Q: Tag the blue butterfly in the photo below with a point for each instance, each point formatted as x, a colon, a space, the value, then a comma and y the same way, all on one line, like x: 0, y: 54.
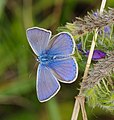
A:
x: 56, y: 62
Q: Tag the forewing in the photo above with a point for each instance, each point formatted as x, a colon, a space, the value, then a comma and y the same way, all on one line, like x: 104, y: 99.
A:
x: 61, y: 44
x: 38, y: 39
x: 65, y: 70
x: 47, y: 85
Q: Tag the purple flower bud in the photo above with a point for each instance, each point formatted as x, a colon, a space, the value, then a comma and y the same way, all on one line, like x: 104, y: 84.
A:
x: 95, y: 14
x: 97, y: 55
x: 107, y: 29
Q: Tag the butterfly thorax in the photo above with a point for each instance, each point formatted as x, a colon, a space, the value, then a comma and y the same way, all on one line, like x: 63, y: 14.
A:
x: 45, y: 59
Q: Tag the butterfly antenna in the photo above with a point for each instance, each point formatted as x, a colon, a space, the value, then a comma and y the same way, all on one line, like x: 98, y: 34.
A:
x: 35, y: 66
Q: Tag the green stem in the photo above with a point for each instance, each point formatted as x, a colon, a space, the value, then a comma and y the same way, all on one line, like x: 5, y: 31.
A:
x: 111, y: 31
x: 105, y: 85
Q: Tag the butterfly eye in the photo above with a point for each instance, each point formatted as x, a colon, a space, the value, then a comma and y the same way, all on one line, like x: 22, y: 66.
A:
x: 37, y: 59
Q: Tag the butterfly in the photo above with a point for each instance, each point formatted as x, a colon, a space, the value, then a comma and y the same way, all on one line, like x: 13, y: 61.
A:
x: 56, y: 60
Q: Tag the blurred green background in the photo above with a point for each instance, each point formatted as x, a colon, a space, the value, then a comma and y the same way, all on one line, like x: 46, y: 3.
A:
x: 18, y: 99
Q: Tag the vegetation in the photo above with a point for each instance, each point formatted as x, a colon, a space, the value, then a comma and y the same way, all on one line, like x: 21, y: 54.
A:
x: 18, y: 100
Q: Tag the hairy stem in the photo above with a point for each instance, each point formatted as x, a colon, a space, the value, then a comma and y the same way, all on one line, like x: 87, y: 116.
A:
x: 81, y: 103
x: 92, y: 45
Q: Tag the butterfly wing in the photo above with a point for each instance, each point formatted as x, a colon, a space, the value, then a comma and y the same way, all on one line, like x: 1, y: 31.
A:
x: 66, y: 70
x: 38, y: 39
x: 61, y: 44
x: 47, y: 85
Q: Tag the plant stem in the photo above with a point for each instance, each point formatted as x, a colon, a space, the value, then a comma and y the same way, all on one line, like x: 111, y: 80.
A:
x: 93, y: 45
x: 79, y: 102
x: 90, y: 54
x: 76, y: 109
x: 102, y: 6
x: 82, y: 104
